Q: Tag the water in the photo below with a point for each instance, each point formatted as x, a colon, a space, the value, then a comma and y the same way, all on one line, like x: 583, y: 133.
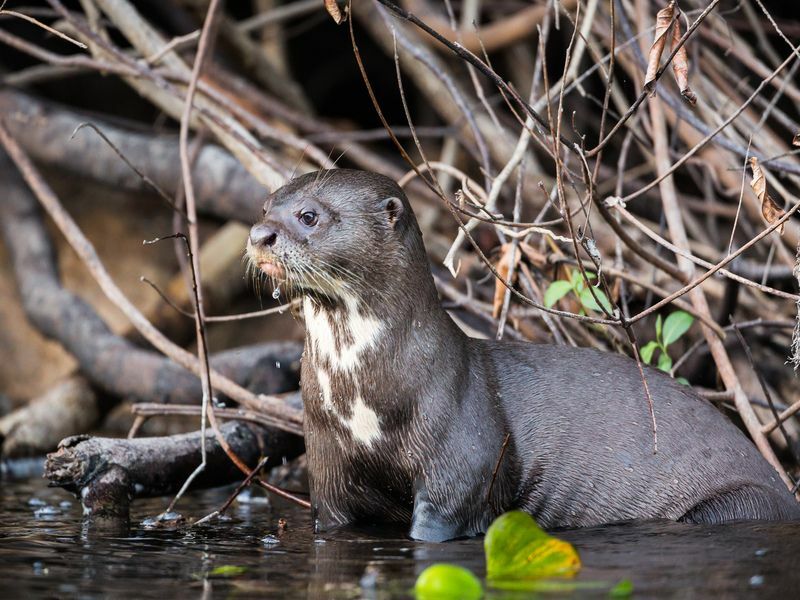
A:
x: 54, y: 553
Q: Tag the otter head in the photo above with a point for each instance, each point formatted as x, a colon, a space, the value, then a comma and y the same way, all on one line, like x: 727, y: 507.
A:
x: 335, y: 234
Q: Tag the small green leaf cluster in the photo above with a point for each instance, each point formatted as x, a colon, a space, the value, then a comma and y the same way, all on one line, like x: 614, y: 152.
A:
x: 577, y: 285
x: 667, y: 332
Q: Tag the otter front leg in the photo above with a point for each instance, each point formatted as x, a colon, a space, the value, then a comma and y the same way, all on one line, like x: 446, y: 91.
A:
x: 430, y: 521
x: 326, y: 515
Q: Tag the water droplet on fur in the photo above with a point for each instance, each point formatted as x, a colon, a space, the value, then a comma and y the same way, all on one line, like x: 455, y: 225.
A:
x: 276, y: 293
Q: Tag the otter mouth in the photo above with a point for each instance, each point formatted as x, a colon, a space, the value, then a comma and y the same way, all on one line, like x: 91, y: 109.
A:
x: 272, y: 269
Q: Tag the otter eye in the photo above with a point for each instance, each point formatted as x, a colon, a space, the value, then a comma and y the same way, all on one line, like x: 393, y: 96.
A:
x: 309, y: 218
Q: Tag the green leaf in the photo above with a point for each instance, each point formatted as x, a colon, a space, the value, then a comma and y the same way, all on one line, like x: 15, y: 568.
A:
x: 658, y: 328
x: 622, y: 590
x: 227, y: 571
x: 517, y: 548
x: 647, y: 351
x: 682, y: 380
x: 664, y: 362
x: 676, y: 325
x: 447, y: 582
x: 556, y: 291
x: 589, y: 302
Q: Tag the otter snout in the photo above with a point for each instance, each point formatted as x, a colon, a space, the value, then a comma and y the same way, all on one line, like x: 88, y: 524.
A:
x: 262, y: 235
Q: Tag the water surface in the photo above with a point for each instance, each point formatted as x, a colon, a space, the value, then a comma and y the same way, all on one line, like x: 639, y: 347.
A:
x: 47, y: 550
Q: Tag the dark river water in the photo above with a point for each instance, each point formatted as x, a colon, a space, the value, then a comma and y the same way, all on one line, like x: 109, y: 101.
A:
x: 47, y: 550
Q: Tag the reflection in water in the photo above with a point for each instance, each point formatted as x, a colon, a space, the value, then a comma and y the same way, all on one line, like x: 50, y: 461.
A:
x: 47, y: 550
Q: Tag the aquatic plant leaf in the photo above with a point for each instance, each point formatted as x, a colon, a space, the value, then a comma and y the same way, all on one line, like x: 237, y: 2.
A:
x: 623, y: 589
x: 676, y: 325
x: 556, y: 291
x: 663, y: 23
x: 227, y: 571
x: 517, y: 549
x: 647, y: 351
x: 769, y: 209
x: 444, y: 581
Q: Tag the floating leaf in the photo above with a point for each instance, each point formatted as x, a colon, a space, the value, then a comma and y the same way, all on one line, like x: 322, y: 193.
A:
x: 647, y: 351
x: 227, y: 571
x: 663, y: 22
x: 556, y: 291
x: 680, y: 65
x: 623, y: 589
x: 502, y: 270
x: 447, y: 582
x: 769, y: 209
x: 517, y: 548
x: 676, y: 325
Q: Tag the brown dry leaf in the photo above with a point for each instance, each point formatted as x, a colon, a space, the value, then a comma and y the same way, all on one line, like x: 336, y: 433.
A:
x: 680, y: 65
x: 769, y: 209
x: 663, y: 22
x: 502, y: 270
x: 796, y: 140
x: 333, y: 10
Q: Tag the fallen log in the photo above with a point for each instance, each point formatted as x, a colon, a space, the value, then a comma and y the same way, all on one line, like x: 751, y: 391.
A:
x: 223, y: 187
x: 107, y: 474
x: 111, y: 362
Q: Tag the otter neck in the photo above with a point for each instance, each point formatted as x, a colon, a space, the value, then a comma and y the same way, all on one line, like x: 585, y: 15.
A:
x: 366, y: 334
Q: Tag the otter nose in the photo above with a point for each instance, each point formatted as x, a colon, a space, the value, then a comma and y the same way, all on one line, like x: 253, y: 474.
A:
x: 262, y: 235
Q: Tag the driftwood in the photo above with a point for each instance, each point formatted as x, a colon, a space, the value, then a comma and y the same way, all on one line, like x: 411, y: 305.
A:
x: 223, y: 187
x: 111, y: 362
x: 64, y: 410
x: 107, y: 474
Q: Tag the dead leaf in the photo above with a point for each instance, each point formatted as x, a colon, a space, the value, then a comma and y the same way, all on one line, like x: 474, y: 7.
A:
x: 332, y: 6
x: 796, y: 140
x: 680, y: 65
x: 502, y: 270
x: 769, y: 209
x: 663, y: 22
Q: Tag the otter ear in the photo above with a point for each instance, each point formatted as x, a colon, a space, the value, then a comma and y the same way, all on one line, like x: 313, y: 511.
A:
x: 392, y: 210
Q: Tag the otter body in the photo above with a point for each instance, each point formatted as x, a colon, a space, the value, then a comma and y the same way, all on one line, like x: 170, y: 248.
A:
x: 409, y: 420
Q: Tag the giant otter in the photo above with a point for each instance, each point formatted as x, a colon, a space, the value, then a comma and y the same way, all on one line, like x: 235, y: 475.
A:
x: 406, y: 417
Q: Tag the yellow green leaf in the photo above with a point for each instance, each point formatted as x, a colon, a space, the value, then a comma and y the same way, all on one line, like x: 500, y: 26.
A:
x: 517, y: 548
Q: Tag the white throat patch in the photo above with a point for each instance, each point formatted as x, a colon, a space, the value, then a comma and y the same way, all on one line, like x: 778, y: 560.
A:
x: 342, y: 346
x: 363, y: 422
x: 363, y: 329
